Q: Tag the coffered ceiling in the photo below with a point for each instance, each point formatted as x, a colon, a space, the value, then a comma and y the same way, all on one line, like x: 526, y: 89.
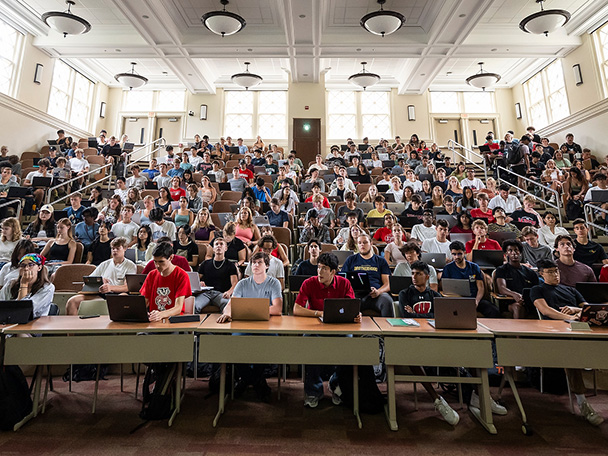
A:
x: 438, y: 47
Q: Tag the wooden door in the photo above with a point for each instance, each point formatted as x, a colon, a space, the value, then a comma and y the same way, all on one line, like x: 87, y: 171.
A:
x: 307, y: 138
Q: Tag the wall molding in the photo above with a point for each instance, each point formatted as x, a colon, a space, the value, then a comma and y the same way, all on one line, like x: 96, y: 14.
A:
x: 24, y: 109
x: 581, y: 116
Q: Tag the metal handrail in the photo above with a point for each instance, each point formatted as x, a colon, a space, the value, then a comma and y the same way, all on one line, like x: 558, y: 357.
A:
x: 588, y: 209
x: 538, y: 184
x: 74, y: 179
x: 162, y: 143
x: 142, y: 158
x: 12, y: 203
x: 452, y: 145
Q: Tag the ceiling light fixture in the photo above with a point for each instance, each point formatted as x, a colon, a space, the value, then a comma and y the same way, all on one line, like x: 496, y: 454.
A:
x: 483, y: 79
x: 382, y: 22
x: 246, y: 79
x: 363, y: 78
x: 66, y: 22
x: 131, y: 80
x: 223, y: 22
x: 545, y: 21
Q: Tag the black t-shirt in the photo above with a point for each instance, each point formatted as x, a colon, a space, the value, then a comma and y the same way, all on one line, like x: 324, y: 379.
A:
x: 101, y: 251
x: 217, y: 274
x: 590, y: 253
x: 409, y: 212
x: 363, y: 178
x: 343, y: 210
x: 556, y: 296
x: 306, y: 268
x: 517, y: 279
x: 522, y: 218
x: 187, y: 251
x: 234, y: 247
x: 421, y: 302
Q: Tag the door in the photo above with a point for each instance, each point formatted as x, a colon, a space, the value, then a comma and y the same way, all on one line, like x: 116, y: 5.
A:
x: 446, y: 129
x: 169, y: 128
x: 307, y: 139
x: 135, y: 129
x: 478, y: 130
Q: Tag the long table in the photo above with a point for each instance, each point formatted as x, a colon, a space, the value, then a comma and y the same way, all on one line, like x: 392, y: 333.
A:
x: 545, y: 343
x: 72, y: 340
x: 280, y: 341
x: 426, y: 346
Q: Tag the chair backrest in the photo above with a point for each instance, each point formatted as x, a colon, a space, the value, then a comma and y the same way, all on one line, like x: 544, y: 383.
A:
x: 96, y: 160
x: 223, y: 206
x: 283, y: 235
x: 93, y: 307
x: 231, y: 196
x: 152, y: 193
x: 79, y: 252
x: 67, y: 274
x: 29, y: 156
x: 203, y: 248
x: 44, y: 150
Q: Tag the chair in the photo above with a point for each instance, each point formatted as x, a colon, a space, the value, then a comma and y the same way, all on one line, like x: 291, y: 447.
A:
x: 29, y: 156
x: 223, y: 206
x: 79, y: 253
x: 152, y: 193
x: 282, y: 235
x: 68, y: 278
x: 231, y: 196
x: 96, y: 159
x: 44, y: 150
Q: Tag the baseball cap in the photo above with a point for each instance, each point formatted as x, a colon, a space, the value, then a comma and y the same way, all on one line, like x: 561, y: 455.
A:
x: 48, y: 208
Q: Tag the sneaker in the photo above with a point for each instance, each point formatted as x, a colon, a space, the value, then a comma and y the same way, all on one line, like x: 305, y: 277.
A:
x: 311, y: 401
x: 497, y: 409
x: 336, y: 395
x: 447, y: 412
x: 590, y: 414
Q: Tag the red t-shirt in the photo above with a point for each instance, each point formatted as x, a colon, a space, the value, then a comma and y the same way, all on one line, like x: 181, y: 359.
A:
x: 325, y: 201
x: 604, y: 274
x: 385, y: 234
x: 315, y: 294
x: 478, y: 213
x: 177, y: 193
x: 178, y: 260
x: 162, y: 292
x: 246, y: 173
x: 490, y: 244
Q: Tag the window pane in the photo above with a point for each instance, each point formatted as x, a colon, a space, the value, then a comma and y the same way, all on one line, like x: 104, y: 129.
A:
x: 272, y: 102
x: 535, y: 89
x: 61, y: 76
x: 445, y: 102
x: 58, y: 104
x: 239, y: 102
x: 272, y: 126
x: 376, y: 126
x: 136, y: 100
x: 8, y: 41
x: 80, y: 115
x: 538, y: 115
x: 170, y: 100
x: 478, y: 102
x: 341, y: 102
x: 555, y: 76
x: 342, y: 126
x: 239, y: 125
x: 559, y: 105
x: 272, y: 114
x: 375, y: 103
x: 6, y: 75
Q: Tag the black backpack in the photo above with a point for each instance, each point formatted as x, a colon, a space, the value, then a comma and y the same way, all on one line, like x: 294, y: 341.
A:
x: 15, y: 401
x: 158, y: 403
x: 514, y: 155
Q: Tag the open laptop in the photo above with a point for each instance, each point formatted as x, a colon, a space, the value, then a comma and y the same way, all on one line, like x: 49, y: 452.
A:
x: 342, y: 255
x: 134, y: 281
x: 92, y: 142
x: 303, y: 208
x: 251, y: 309
x: 128, y: 147
x: 151, y: 185
x: 596, y: 314
x: 448, y: 218
x: 437, y: 260
x: 224, y: 187
x: 130, y: 308
x: 306, y: 187
x: 359, y: 281
x: 60, y: 214
x: 131, y: 255
x: 456, y: 287
x: 398, y: 283
x: 225, y: 217
x: 296, y: 281
x: 340, y: 310
x: 16, y: 312
x: 261, y: 220
x: 195, y: 283
x: 599, y: 196
x: 488, y: 258
x: 593, y: 292
x: 52, y: 142
x: 462, y: 237
x: 502, y: 236
x: 17, y: 192
x: 40, y: 181
x: 455, y: 313
x: 91, y: 284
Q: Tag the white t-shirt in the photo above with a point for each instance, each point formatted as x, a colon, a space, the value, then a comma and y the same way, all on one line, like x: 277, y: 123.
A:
x: 8, y: 273
x: 78, y: 164
x: 138, y: 182
x: 434, y: 246
x: 126, y: 230
x: 115, y: 273
x: 476, y: 183
x: 6, y: 250
x: 167, y: 229
x: 511, y: 205
x: 30, y: 176
x: 422, y: 232
x: 416, y: 185
x: 276, y: 268
x: 123, y: 194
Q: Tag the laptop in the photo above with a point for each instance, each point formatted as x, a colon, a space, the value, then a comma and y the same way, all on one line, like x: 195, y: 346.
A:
x: 359, y: 281
x: 35, y: 161
x: 452, y: 221
x: 363, y: 147
x: 593, y: 292
x: 423, y: 177
x: 225, y: 217
x: 130, y: 308
x: 91, y: 284
x: 195, y: 283
x: 484, y: 148
x: 599, y: 196
x: 250, y: 309
x: 92, y: 142
x: 488, y: 258
x: 382, y: 188
x: 52, y: 142
x: 456, y: 287
x: 233, y: 149
x: 502, y: 236
x: 60, y: 214
x: 261, y: 220
x: 437, y: 260
x: 174, y: 205
x: 462, y: 237
x: 340, y: 310
x: 224, y: 187
x: 86, y: 203
x: 342, y: 255
x: 455, y: 313
x: 16, y: 312
x: 306, y: 187
x: 303, y: 208
x: 128, y: 147
x: 596, y: 314
x: 296, y: 281
x: 151, y: 185
x: 40, y: 181
x: 17, y: 192
x: 134, y: 281
x: 399, y: 283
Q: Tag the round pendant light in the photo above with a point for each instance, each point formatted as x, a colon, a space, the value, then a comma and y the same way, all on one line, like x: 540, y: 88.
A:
x: 246, y: 79
x: 131, y: 80
x: 545, y: 21
x: 223, y: 22
x: 66, y: 22
x: 483, y: 80
x: 364, y: 78
x: 382, y: 22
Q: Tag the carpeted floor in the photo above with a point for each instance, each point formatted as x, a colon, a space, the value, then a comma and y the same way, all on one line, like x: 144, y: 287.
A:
x: 285, y: 427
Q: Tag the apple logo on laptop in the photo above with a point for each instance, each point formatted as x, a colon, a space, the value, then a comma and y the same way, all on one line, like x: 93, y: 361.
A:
x: 341, y: 310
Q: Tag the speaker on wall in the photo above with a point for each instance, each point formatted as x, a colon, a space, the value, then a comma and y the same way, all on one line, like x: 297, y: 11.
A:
x: 203, y: 112
x: 578, y: 76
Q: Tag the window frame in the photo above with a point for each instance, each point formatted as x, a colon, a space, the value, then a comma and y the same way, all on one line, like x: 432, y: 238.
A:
x: 255, y: 116
x: 601, y: 57
x: 359, y: 132
x: 545, y: 100
x: 16, y: 60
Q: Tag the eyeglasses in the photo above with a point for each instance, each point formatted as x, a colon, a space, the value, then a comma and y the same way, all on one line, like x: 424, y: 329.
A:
x: 27, y: 265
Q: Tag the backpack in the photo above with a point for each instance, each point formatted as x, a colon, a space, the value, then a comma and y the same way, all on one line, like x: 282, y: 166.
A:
x: 371, y: 399
x: 158, y: 404
x: 574, y: 209
x: 514, y: 155
x: 15, y: 400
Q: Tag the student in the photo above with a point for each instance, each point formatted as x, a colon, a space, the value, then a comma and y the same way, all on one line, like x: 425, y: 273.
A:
x: 310, y: 303
x: 439, y: 243
x: 267, y: 244
x: 62, y: 249
x: 378, y: 272
x: 161, y: 227
x: 259, y: 285
x: 512, y: 277
x: 309, y: 267
x: 260, y: 191
x: 101, y: 249
x: 86, y: 231
x: 500, y: 224
x: 585, y: 250
x: 276, y: 216
x: 122, y: 190
x: 218, y: 273
x: 533, y: 251
x: 76, y: 208
x: 471, y: 181
x: 384, y: 235
x: 480, y: 240
x: 411, y: 252
x: 163, y: 179
x: 415, y: 208
x: 177, y: 260
x: 236, y: 250
x: 509, y: 203
x: 549, y: 231
x: 571, y: 271
x: 392, y: 251
x: 426, y: 229
x: 460, y: 268
x: 112, y: 271
x: 10, y: 271
x: 314, y: 229
x: 137, y: 180
x: 185, y: 246
x: 527, y: 216
x: 483, y: 211
x: 558, y: 302
x: 379, y: 210
x: 126, y: 228
x: 166, y: 287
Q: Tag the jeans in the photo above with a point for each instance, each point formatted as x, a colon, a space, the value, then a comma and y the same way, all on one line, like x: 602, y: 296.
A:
x: 487, y: 309
x: 313, y: 379
x: 382, y: 304
x: 209, y: 297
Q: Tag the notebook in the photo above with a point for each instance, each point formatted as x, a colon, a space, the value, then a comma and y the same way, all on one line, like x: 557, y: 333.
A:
x: 340, y: 310
x: 130, y: 308
x: 250, y: 309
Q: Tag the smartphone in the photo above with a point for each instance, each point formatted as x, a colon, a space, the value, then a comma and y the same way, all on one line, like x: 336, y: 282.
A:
x: 83, y: 317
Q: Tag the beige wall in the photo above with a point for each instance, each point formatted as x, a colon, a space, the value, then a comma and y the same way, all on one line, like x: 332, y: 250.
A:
x: 35, y: 95
x: 101, y: 95
x: 215, y: 114
x: 404, y: 127
x: 311, y: 95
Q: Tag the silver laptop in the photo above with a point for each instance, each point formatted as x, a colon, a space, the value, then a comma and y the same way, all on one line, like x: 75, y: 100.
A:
x: 437, y: 260
x: 250, y: 309
x: 195, y: 283
x: 462, y: 237
x: 342, y: 255
x: 455, y: 313
x: 456, y: 287
x: 261, y: 220
x: 448, y: 218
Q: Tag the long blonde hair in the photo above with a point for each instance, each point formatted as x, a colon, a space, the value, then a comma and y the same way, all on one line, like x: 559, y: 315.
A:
x: 15, y: 225
x: 197, y: 221
x: 249, y: 223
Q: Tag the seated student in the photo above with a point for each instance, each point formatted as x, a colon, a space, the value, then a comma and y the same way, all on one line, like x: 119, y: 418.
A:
x: 161, y: 227
x: 378, y: 272
x: 267, y: 244
x: 316, y: 191
x: 309, y: 267
x: 439, y: 243
x: 185, y: 246
x: 411, y: 252
x: 314, y: 229
x: 449, y: 207
x: 32, y: 283
x: 162, y: 179
x: 62, y: 249
x: 152, y: 171
x: 126, y: 228
x: 512, y: 277
x: 236, y: 250
x: 460, y: 268
x: 86, y: 231
x: 261, y: 193
x: 10, y: 271
x: 585, y: 250
x: 166, y: 287
x: 500, y: 224
x: 259, y: 285
x: 415, y: 208
x: 100, y: 249
x: 351, y: 206
x: 122, y: 190
x: 137, y: 180
x: 471, y: 181
x: 342, y: 236
x: 480, y: 240
x: 533, y: 250
x: 276, y: 216
x: 392, y: 251
x: 384, y: 235
x: 571, y: 271
x: 340, y: 190
x: 43, y: 228
x: 379, y: 210
x: 483, y: 211
x: 218, y: 273
x: 177, y: 260
x: 426, y: 229
x: 556, y: 301
x: 509, y: 203
x: 75, y: 209
x: 112, y: 271
x: 326, y: 284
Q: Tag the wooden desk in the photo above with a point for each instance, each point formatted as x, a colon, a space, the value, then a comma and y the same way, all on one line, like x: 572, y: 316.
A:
x: 545, y: 343
x: 72, y: 340
x: 427, y: 346
x: 280, y: 340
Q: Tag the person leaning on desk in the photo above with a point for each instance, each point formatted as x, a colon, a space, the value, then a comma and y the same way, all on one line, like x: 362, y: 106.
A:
x: 553, y: 301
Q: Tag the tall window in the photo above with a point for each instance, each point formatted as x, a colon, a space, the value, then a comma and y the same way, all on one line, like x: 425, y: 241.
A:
x: 600, y: 38
x: 248, y: 114
x: 445, y: 102
x: 545, y: 94
x: 376, y: 114
x: 272, y: 114
x: 71, y: 96
x: 10, y: 46
x: 170, y: 100
x: 342, y: 111
x: 478, y: 102
x: 138, y: 100
x: 358, y: 114
x: 238, y: 120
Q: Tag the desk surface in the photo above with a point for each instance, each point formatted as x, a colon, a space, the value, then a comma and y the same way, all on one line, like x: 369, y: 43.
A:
x: 425, y: 329
x: 63, y: 324
x: 539, y: 328
x: 289, y: 325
